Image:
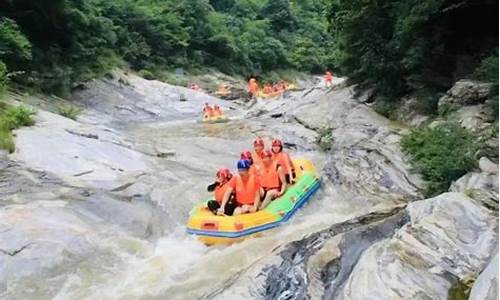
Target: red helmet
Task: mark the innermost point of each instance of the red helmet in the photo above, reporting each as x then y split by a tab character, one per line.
258	142
277	142
224	174
266	153
246	155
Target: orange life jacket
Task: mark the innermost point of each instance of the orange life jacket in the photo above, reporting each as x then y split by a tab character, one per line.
269	177
283	159
253	87
218	111
219	192
245	192
255	169
256	158
328	76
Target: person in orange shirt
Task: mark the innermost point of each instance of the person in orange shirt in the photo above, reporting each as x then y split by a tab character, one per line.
272	179
219	187
246	188
258	146
253	87
254	168
217	110
328	78
268	89
208	111
283	159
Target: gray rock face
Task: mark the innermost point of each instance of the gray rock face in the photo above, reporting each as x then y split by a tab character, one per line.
63	147
415	253
465	92
482	187
487	166
407	112
486	285
131	99
449	237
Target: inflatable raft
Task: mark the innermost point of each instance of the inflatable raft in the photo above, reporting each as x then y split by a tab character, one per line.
212	229
270	95
215	119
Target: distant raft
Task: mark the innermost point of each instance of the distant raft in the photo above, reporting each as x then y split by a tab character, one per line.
214	119
212	229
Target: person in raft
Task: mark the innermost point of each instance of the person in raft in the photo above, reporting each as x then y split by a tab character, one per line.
272	179
252	88
254	168
328	78
208	111
219	187
283	159
258	146
246	186
217	110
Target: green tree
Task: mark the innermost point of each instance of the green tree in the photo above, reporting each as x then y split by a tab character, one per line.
14	46
279	14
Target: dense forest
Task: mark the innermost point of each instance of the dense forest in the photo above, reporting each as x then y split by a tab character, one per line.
415	46
396	47
58	43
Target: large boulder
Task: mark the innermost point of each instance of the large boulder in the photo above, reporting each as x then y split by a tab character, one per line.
449	238
488	166
408	112
465	92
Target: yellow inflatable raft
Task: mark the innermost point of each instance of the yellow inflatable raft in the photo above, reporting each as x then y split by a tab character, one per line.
212	229
214	119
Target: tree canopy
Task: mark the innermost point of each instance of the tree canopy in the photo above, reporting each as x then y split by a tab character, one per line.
59	43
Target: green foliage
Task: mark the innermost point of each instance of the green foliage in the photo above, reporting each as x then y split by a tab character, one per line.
3	77
279	14
69	111
12	117
147	74
14	46
324	138
19	116
487	71
386	108
6	140
59	43
441	154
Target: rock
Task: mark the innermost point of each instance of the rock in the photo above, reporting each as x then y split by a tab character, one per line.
486	285
84	134
35	147
482	187
465	92
140	101
471	117
41	237
448	238
488	166
366	96
408	113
